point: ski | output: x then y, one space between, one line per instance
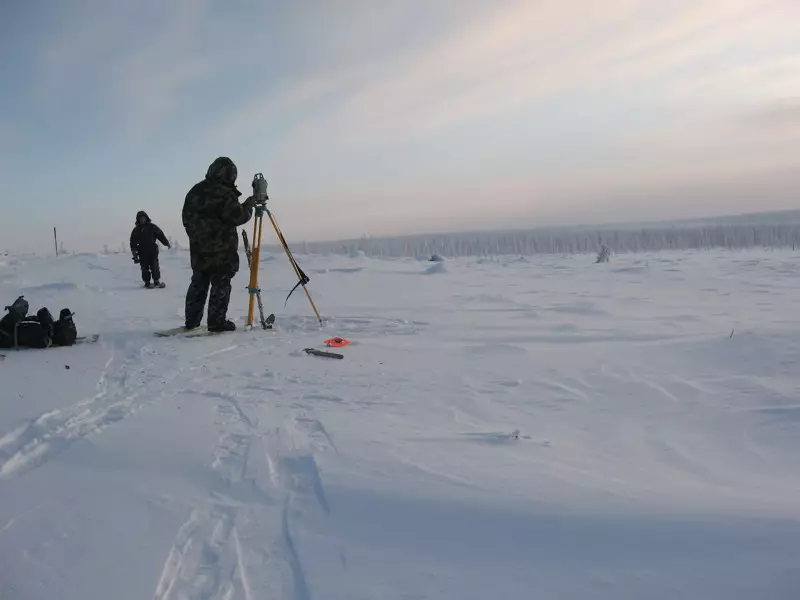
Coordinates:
201 331
323 353
183 332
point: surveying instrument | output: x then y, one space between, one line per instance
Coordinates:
253 257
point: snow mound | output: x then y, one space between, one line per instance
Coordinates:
435 269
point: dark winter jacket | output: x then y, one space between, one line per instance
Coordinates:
143 237
211 214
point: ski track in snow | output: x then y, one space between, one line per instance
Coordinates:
35 442
124 387
238 543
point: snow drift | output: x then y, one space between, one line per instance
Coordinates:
526 429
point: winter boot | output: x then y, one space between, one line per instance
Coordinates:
224 326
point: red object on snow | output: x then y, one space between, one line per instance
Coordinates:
337 342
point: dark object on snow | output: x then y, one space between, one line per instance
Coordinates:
35 331
17 311
65 333
144 247
211 213
435 258
19 306
30 333
19 330
44 317
322 353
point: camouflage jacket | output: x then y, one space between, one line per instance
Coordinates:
211 214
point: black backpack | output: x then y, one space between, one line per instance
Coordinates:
36 332
65 333
8 324
17 328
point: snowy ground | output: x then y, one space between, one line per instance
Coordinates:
657 456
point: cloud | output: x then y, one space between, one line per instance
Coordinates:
760 134
457 104
783 116
254 116
524 52
152 80
136 59
89 35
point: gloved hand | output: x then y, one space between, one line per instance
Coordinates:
136 259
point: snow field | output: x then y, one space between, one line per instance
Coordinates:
538 427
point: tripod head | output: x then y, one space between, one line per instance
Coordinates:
260 189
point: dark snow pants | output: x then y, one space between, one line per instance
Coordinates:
197 293
150 267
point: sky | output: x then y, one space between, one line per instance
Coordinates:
398 116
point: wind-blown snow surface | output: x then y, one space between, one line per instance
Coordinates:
543 428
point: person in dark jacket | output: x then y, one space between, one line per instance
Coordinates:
145 249
211 214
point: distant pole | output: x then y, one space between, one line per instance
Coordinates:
55 239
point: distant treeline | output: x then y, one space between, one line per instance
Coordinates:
569 241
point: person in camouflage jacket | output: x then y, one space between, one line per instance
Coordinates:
211 214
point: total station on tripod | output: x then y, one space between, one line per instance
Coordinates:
260 189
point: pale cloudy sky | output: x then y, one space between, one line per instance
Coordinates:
396 116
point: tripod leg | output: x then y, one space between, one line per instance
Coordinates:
249 254
254 259
265 323
294 264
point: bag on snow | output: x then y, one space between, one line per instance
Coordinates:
17 328
46 319
16 313
65 332
31 333
19 306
